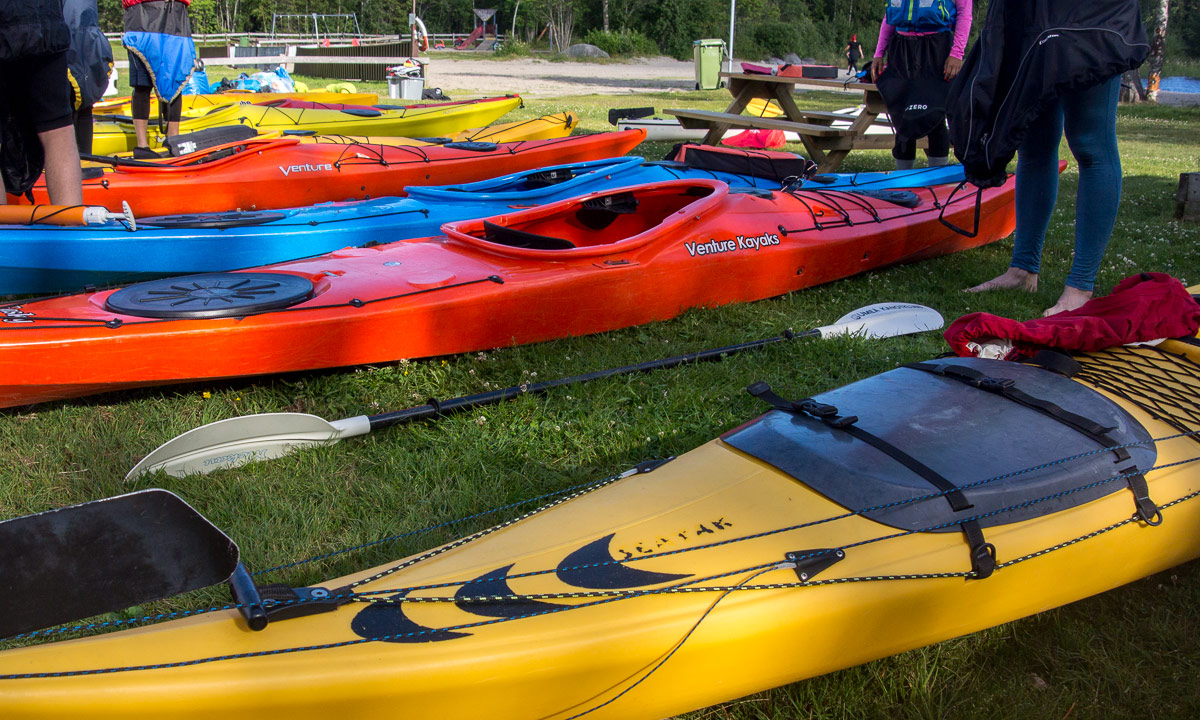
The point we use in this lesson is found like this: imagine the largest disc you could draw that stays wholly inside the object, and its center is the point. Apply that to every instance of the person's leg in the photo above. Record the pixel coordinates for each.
(44, 101)
(83, 129)
(1036, 193)
(140, 109)
(938, 152)
(172, 115)
(1090, 124)
(905, 152)
(64, 180)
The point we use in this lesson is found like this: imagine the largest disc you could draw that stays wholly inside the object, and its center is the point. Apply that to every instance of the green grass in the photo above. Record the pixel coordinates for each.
(1131, 652)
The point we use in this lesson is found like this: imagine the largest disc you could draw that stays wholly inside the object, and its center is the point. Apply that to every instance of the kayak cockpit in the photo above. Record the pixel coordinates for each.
(596, 224)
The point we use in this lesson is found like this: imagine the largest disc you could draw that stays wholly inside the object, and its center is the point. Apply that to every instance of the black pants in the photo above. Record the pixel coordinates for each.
(914, 88)
(939, 145)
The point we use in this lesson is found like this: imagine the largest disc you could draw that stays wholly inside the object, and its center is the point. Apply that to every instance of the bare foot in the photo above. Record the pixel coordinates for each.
(1012, 279)
(1072, 299)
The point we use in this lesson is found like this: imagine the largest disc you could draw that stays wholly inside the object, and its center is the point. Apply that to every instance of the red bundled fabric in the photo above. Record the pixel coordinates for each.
(756, 139)
(1142, 307)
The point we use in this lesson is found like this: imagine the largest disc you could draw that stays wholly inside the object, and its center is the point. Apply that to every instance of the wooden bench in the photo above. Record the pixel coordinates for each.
(826, 145)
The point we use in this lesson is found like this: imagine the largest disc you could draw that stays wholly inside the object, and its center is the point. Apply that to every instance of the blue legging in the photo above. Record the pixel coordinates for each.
(1090, 120)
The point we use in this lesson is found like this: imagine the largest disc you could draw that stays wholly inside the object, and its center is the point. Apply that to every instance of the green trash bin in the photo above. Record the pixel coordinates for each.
(708, 55)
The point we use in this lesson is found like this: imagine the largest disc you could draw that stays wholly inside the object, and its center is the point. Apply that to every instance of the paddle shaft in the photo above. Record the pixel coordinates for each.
(434, 408)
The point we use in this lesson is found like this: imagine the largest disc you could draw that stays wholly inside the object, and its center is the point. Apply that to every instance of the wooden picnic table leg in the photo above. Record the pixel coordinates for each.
(783, 95)
(831, 161)
(745, 92)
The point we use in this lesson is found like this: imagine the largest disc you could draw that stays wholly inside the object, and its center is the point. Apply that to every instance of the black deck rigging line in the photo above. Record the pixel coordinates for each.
(1186, 433)
(1009, 390)
(546, 611)
(674, 649)
(1130, 376)
(42, 220)
(935, 207)
(353, 302)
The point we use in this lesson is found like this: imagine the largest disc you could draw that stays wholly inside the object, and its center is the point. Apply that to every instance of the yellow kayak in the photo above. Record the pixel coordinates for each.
(416, 121)
(199, 104)
(546, 127)
(816, 537)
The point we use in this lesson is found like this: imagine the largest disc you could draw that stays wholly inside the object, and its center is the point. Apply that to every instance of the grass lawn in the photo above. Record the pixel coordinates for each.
(1130, 652)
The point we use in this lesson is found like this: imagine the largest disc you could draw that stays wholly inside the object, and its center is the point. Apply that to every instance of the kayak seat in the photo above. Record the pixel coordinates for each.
(512, 237)
(599, 212)
(965, 434)
(209, 137)
(546, 178)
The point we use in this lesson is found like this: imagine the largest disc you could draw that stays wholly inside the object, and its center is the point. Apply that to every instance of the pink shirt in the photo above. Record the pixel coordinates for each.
(962, 28)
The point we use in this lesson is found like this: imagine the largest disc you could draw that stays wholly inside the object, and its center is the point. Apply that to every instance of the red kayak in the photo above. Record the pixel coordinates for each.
(285, 172)
(603, 261)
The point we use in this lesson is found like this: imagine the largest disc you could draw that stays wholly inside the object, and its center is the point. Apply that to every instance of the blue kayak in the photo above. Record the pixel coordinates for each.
(50, 259)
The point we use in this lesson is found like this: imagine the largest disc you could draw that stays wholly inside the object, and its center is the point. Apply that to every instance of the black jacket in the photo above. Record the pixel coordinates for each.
(90, 57)
(31, 28)
(1029, 53)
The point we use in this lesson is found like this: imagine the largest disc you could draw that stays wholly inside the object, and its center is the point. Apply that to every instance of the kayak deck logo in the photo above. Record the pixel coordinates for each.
(739, 242)
(15, 314)
(306, 167)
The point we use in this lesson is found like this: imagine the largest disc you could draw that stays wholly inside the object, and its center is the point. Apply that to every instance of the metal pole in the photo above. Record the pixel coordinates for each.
(732, 11)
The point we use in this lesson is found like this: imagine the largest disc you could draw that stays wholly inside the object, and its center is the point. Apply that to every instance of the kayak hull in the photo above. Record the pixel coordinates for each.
(706, 246)
(285, 172)
(44, 259)
(713, 519)
(195, 104)
(415, 121)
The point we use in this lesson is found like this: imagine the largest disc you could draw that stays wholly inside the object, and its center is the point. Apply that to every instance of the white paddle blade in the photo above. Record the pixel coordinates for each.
(251, 438)
(883, 320)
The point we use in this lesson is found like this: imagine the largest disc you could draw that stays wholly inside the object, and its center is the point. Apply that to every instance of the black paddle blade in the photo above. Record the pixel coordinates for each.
(76, 562)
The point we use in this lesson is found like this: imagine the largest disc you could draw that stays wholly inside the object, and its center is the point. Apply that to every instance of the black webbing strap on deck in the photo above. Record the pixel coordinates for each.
(1006, 388)
(983, 553)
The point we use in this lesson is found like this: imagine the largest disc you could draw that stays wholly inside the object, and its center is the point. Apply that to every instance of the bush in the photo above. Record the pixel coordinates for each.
(624, 44)
(513, 48)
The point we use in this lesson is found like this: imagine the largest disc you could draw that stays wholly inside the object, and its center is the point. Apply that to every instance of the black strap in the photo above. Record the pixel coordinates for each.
(983, 553)
(1147, 510)
(1006, 388)
(1055, 361)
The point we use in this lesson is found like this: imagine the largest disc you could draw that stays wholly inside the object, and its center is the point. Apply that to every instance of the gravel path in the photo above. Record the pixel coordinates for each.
(534, 77)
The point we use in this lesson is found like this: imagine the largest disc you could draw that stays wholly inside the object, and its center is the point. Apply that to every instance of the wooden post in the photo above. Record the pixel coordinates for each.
(1187, 198)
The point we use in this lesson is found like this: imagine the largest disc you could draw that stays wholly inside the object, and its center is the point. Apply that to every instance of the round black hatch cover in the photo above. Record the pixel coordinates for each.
(212, 221)
(211, 295)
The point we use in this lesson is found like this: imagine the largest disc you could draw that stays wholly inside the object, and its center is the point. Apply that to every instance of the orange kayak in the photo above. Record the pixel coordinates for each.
(261, 174)
(589, 264)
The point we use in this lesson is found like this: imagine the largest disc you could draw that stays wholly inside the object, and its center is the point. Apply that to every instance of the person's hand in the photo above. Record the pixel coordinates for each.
(876, 68)
(953, 65)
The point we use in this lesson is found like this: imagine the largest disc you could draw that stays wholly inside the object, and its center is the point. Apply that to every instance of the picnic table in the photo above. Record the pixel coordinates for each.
(826, 145)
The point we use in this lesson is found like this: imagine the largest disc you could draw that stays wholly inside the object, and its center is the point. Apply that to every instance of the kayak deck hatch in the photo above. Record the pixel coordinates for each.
(963, 433)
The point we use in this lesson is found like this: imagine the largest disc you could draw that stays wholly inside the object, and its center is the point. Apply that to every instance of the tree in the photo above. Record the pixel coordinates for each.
(1158, 41)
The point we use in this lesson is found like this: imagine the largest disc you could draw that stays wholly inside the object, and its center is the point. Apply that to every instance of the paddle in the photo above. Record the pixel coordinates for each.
(62, 565)
(236, 441)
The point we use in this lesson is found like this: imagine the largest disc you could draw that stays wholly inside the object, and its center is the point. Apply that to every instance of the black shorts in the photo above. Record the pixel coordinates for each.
(139, 75)
(35, 89)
